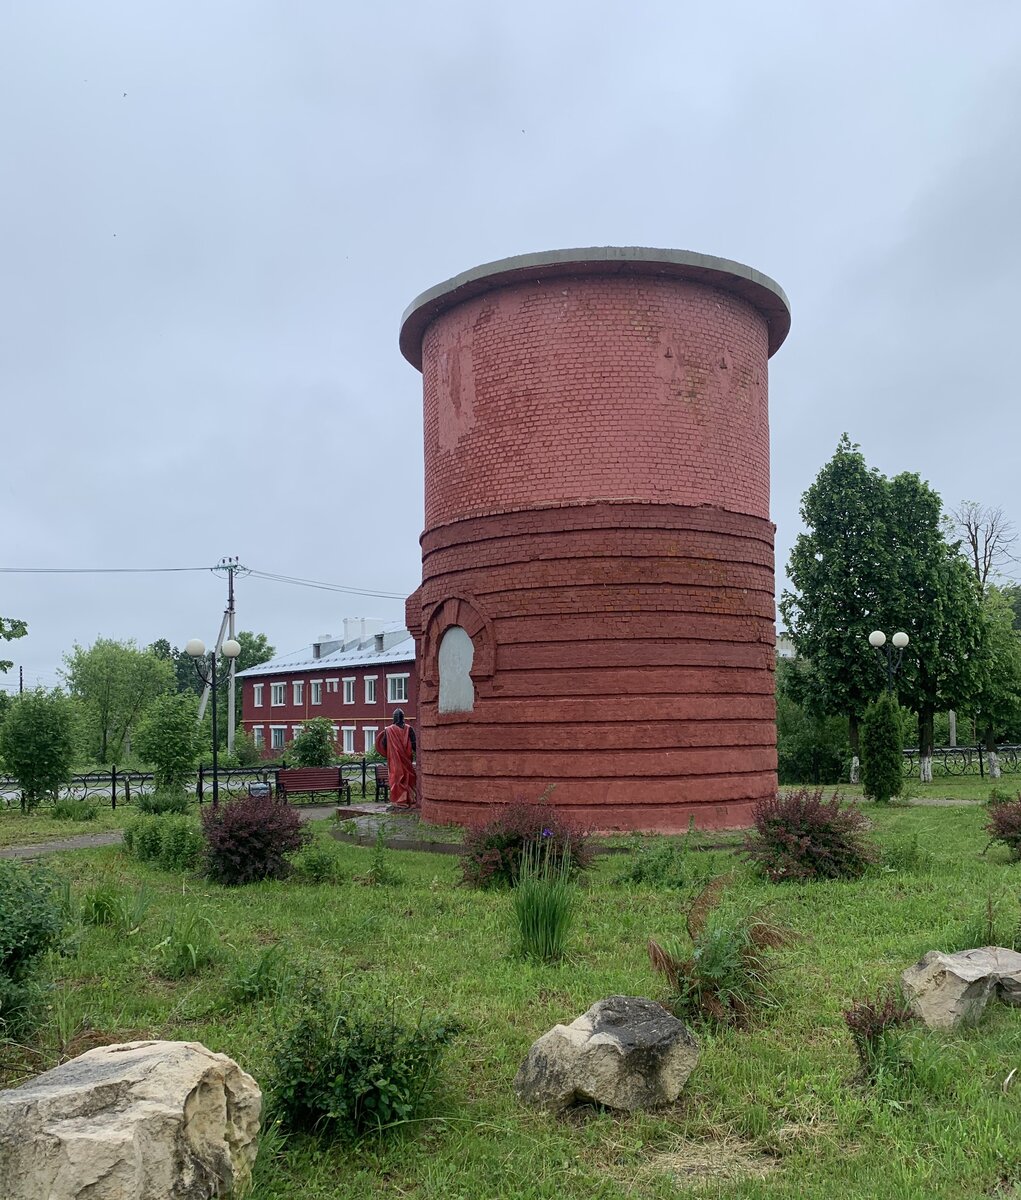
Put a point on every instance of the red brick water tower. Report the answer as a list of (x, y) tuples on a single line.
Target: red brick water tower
[(596, 609)]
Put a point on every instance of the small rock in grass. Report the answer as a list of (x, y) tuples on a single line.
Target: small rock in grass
[(624, 1053), (949, 990)]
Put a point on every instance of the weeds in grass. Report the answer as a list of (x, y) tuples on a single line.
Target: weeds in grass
[(660, 863), (544, 904), (189, 944), (725, 977), (31, 919), (381, 872), (352, 1067), (75, 810), (876, 1025), (266, 976), (906, 856), (983, 927), (319, 862), (1001, 795), (99, 906)]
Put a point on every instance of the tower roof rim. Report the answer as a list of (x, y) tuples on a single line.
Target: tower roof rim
[(759, 290)]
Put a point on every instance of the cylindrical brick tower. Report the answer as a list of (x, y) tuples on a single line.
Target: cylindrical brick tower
[(596, 609)]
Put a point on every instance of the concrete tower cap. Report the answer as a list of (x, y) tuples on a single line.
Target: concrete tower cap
[(759, 290)]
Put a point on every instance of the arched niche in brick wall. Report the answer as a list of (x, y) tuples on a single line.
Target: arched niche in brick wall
[(462, 612)]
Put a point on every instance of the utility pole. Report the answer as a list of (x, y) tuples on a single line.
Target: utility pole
[(21, 680), (230, 567)]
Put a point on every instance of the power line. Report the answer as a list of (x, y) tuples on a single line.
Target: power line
[(97, 570), (326, 587)]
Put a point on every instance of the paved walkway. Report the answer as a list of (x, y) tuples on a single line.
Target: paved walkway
[(86, 841)]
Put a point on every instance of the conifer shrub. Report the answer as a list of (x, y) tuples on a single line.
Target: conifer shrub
[(251, 838), (491, 854), (882, 749), (800, 836), (353, 1067), (1004, 825)]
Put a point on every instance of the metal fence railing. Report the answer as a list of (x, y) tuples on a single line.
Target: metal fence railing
[(965, 760), (117, 787)]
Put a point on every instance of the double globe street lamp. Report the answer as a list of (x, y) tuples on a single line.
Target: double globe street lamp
[(879, 643), (229, 650)]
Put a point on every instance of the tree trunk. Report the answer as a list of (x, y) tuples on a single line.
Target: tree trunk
[(925, 743), (992, 758), (852, 737)]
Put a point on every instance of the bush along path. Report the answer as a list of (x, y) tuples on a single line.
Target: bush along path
[(114, 837)]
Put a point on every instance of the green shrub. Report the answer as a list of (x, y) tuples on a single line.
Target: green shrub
[(143, 838), (544, 904), (37, 743), (882, 746), (181, 843), (381, 872), (163, 800), (75, 810), (351, 1068), (168, 737), (30, 923), (799, 836), (189, 944), (491, 854), (1001, 795)]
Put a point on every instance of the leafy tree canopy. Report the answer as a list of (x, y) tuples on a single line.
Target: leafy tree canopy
[(10, 630), (114, 682), (37, 743)]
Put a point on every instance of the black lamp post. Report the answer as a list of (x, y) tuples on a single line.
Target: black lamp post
[(230, 649), (877, 640)]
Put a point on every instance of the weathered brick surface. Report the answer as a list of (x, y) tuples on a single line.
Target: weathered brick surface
[(597, 484)]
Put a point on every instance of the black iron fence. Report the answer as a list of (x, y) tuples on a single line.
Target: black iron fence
[(117, 787), (965, 760)]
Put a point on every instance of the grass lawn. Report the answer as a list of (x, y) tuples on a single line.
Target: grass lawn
[(767, 1113), (23, 829)]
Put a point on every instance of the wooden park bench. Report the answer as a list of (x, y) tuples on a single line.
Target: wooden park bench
[(308, 781), (382, 782)]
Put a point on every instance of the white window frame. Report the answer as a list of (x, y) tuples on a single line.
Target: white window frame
[(371, 699), (295, 730), (349, 682), (331, 685), (257, 694), (370, 732), (336, 731), (274, 744), (392, 689), (277, 695), (317, 691), (298, 691), (348, 732), (259, 736)]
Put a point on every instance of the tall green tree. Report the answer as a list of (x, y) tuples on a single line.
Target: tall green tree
[(255, 649), (875, 556), (933, 596), (840, 570), (37, 743), (997, 701), (113, 683), (10, 630)]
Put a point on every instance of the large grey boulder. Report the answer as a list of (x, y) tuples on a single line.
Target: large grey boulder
[(624, 1053), (137, 1121), (950, 990)]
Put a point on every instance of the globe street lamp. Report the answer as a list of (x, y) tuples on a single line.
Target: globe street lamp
[(877, 640), (230, 650)]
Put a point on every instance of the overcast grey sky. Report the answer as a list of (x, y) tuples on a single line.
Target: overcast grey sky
[(213, 215)]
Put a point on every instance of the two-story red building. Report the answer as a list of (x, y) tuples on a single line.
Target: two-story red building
[(355, 681)]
